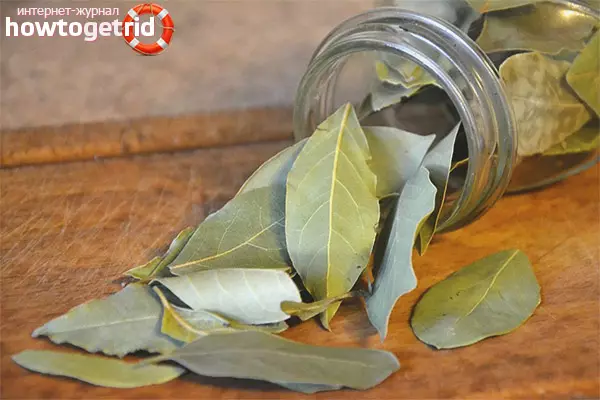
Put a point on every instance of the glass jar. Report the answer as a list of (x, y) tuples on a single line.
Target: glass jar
[(445, 77)]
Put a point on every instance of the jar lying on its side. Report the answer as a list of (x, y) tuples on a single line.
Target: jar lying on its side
[(514, 76)]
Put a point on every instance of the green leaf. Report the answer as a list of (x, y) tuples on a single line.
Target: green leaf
[(275, 170), (123, 323), (587, 139), (262, 356), (492, 296), (484, 6), (546, 27), (406, 74), (332, 208), (98, 371), (396, 276), (439, 163), (383, 96), (188, 325), (248, 295), (306, 311), (545, 109), (155, 266), (584, 74), (248, 232), (397, 155)]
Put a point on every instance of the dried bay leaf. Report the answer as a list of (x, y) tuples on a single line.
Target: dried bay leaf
[(584, 74), (155, 266), (332, 208), (484, 6), (407, 74), (297, 366), (438, 162), (587, 139), (98, 371), (123, 323), (396, 276), (306, 311), (397, 155), (383, 96), (247, 295), (188, 325), (545, 109), (275, 170), (489, 297), (248, 232), (544, 28)]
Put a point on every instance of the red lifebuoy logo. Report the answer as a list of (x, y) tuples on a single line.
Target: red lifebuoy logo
[(132, 18)]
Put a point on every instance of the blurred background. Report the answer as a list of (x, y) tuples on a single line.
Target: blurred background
[(225, 55)]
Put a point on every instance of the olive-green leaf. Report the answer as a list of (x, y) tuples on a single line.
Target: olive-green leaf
[(439, 163), (406, 74), (155, 266), (484, 6), (397, 155), (587, 139), (547, 28), (188, 325), (98, 371), (395, 276), (262, 356), (489, 297), (248, 232), (123, 323), (383, 96), (545, 109), (306, 311), (584, 74), (275, 170), (248, 295), (332, 208)]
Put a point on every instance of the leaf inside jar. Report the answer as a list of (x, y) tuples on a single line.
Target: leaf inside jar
[(546, 27), (545, 109)]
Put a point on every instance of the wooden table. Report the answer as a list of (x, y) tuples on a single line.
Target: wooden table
[(81, 204)]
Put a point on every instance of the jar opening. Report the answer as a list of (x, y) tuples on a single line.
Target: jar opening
[(463, 82)]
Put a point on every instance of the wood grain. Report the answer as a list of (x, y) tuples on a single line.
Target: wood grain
[(69, 229), (76, 142)]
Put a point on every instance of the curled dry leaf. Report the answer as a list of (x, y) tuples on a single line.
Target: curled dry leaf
[(247, 295), (306, 311), (395, 275), (157, 265), (438, 162)]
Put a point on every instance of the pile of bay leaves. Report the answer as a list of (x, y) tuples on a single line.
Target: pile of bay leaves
[(548, 53), (346, 203)]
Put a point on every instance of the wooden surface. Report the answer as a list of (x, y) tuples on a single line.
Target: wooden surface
[(69, 229), (76, 142)]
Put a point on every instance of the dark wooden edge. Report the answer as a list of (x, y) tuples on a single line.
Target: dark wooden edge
[(76, 142)]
